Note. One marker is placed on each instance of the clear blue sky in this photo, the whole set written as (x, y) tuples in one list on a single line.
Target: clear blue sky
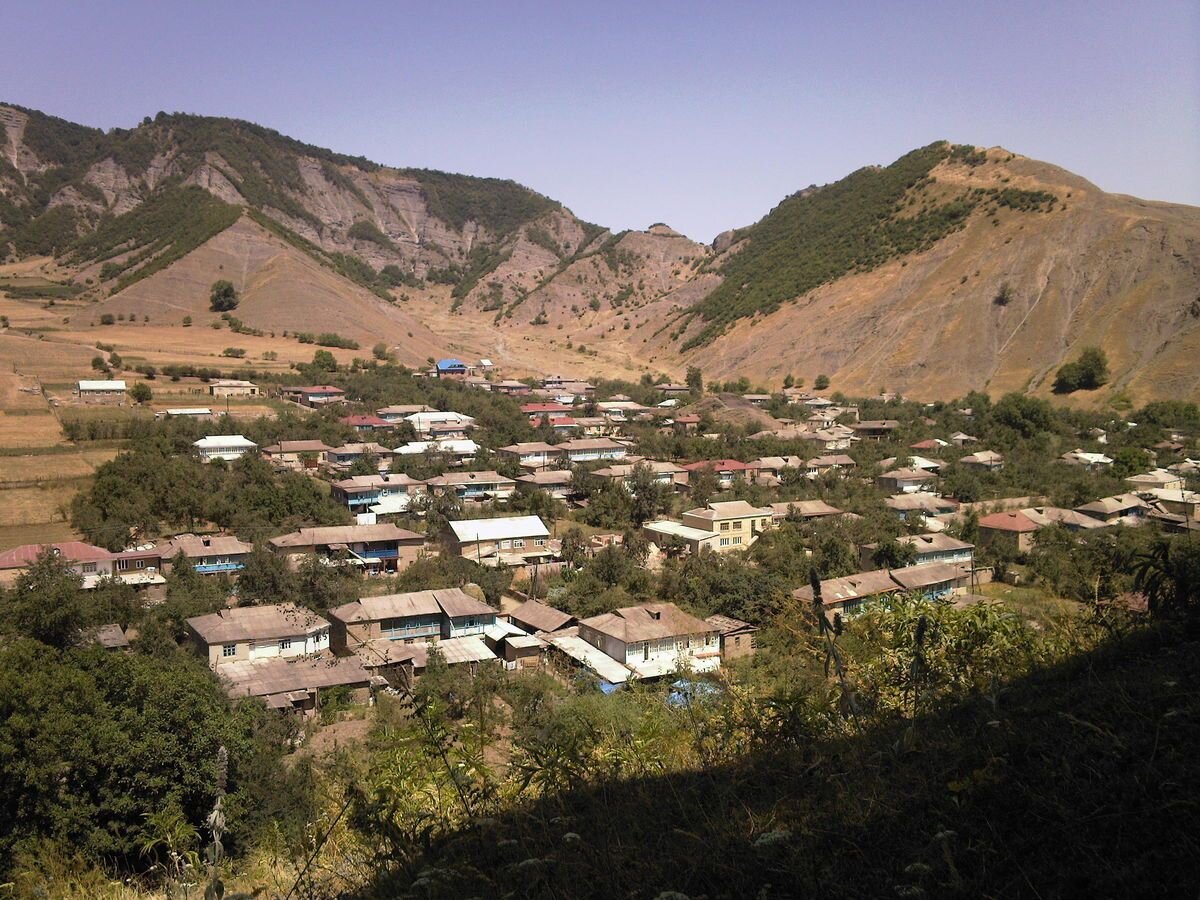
[(702, 115)]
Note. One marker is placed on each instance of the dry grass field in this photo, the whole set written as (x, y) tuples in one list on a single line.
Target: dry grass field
[(40, 505), (47, 533)]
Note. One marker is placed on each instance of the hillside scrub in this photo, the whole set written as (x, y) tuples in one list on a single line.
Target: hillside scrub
[(1087, 373)]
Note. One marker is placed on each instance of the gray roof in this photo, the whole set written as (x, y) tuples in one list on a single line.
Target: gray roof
[(344, 534), (652, 621), (263, 678), (537, 616)]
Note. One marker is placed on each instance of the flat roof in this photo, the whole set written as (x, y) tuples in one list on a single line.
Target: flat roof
[(590, 657), (679, 530)]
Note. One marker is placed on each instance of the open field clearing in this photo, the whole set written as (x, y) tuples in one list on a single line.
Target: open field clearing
[(47, 533), (52, 466), (31, 430), (36, 505)]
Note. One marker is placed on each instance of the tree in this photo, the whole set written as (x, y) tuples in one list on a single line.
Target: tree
[(223, 297), (380, 351), (1087, 373), (894, 554), (265, 578), (99, 364), (325, 361), (703, 484), (789, 380), (1169, 575), (695, 381), (140, 392), (649, 496), (46, 603), (821, 383)]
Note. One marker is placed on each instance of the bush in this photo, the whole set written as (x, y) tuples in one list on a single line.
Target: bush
[(108, 319), (223, 297), (1087, 373), (821, 383), (234, 352)]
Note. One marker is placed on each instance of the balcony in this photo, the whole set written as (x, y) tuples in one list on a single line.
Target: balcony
[(212, 568)]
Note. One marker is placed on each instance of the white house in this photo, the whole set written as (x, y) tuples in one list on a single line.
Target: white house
[(516, 539), (249, 633), (110, 391), (426, 423), (223, 446), (655, 639)]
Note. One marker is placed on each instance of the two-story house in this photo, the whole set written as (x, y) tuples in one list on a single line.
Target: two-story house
[(383, 494), (555, 482), (655, 639), (721, 527), (582, 450), (348, 454), (249, 633), (933, 547), (438, 423), (314, 395), (531, 454), (907, 480), (514, 539), (414, 617), (296, 455), (727, 471), (210, 554), (380, 547), (223, 446), (473, 486), (665, 474)]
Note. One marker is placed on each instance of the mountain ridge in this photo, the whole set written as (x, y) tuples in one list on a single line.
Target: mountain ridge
[(884, 279)]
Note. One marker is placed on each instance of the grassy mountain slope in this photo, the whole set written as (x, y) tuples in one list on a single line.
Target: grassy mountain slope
[(888, 278)]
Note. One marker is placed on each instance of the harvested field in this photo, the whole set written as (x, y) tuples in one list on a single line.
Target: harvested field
[(52, 466), (33, 430), (48, 533), (36, 505)]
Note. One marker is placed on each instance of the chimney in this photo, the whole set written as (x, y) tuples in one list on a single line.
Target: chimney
[(655, 614), (206, 541)]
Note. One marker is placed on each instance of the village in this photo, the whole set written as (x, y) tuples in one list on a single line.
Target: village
[(420, 482)]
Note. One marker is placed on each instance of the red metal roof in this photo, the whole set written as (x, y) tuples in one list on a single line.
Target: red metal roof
[(717, 465), (74, 551)]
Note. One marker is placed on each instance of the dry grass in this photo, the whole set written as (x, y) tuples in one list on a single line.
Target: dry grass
[(45, 533), (30, 431), (52, 466), (38, 505)]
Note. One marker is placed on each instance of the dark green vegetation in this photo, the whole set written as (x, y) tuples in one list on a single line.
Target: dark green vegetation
[(1087, 373), (119, 757), (223, 297), (854, 225), (499, 205), (1069, 776)]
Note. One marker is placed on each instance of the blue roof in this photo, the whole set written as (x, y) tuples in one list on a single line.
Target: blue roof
[(451, 364)]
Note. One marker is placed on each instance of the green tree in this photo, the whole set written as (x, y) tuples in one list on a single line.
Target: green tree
[(821, 383), (380, 351), (266, 578), (695, 381), (325, 361), (703, 484), (141, 392), (649, 497), (46, 603), (223, 297)]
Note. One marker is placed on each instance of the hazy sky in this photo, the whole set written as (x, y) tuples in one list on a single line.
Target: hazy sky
[(702, 115)]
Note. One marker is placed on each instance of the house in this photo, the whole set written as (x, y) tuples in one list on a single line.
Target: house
[(314, 395), (914, 462), (727, 471), (457, 450), (348, 454), (825, 439), (383, 494), (735, 523), (768, 470), (921, 504), (199, 413), (440, 424), (907, 481), (960, 438), (513, 540), (1179, 502), (1122, 509), (591, 449), (476, 486), (452, 368), (223, 446), (823, 465), (666, 474), (209, 554), (655, 639), (531, 454), (1087, 460), (1011, 529), (394, 415), (737, 638), (803, 510), (138, 567), (380, 547), (534, 616), (295, 685), (675, 390), (414, 617), (934, 444), (110, 637), (933, 547), (233, 387), (875, 429), (537, 411), (987, 460), (1156, 479), (555, 482), (1045, 516), (248, 633), (365, 423), (854, 593), (109, 391), (85, 560), (517, 649), (758, 400), (511, 387), (664, 532), (296, 455)]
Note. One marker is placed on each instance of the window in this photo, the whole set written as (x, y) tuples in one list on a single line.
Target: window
[(737, 540), (518, 543), (737, 526), (724, 526), (737, 640), (539, 542), (285, 644), (89, 568), (229, 650), (724, 542)]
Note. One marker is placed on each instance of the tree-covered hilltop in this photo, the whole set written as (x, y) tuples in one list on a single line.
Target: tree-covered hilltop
[(857, 224)]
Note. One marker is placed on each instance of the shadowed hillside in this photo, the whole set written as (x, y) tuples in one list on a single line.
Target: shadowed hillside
[(1080, 781)]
